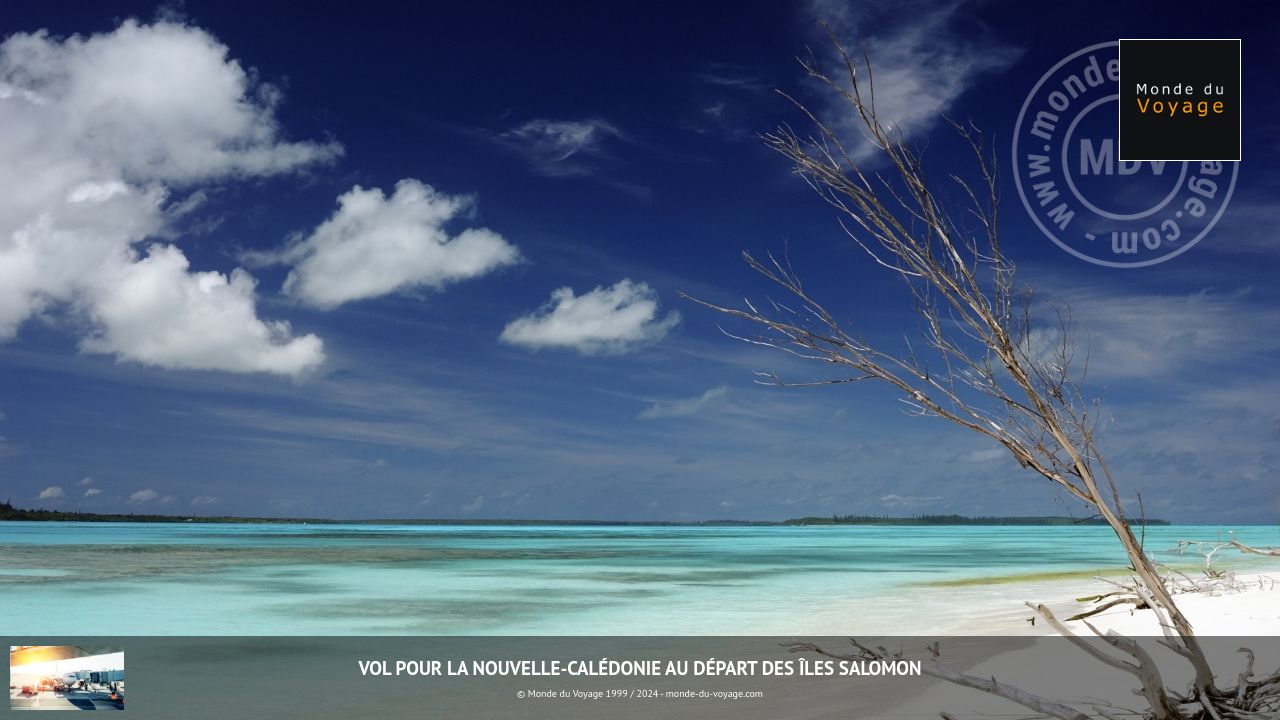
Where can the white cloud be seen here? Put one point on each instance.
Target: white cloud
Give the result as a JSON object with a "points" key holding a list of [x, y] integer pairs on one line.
{"points": [[562, 148], [143, 496], [98, 131], [730, 75], [604, 320], [923, 58], [375, 245], [985, 455], [205, 500], [160, 314], [908, 501], [160, 102], [1146, 335], [474, 505], [53, 492], [92, 491], [684, 406], [87, 480]]}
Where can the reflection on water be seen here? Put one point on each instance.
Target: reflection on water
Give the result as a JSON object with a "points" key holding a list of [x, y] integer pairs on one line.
{"points": [[105, 578]]}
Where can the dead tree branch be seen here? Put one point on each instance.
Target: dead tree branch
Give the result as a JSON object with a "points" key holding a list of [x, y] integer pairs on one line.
{"points": [[984, 359]]}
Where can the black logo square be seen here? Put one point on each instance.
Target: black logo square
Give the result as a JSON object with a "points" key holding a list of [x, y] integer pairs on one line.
{"points": [[1179, 100]]}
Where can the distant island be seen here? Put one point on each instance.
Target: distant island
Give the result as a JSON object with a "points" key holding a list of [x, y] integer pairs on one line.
{"points": [[9, 512], [958, 520]]}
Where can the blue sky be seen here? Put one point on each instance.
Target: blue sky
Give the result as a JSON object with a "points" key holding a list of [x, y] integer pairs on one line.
{"points": [[424, 261]]}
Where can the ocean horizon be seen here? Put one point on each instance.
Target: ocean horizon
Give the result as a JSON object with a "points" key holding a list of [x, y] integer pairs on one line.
{"points": [[398, 579]]}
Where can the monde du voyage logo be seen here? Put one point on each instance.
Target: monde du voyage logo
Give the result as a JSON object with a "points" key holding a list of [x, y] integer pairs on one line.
{"points": [[1177, 113]]}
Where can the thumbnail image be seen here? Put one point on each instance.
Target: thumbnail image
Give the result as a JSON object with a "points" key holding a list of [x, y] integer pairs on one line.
{"points": [[66, 677]]}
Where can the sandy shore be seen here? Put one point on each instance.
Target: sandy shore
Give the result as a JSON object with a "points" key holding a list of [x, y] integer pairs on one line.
{"points": [[1252, 612], [1053, 668]]}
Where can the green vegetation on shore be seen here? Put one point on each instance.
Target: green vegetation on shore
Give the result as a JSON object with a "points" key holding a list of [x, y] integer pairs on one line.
{"points": [[956, 520], [9, 512]]}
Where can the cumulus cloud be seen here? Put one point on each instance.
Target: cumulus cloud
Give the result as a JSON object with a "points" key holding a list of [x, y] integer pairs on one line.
{"points": [[605, 320], [685, 406], [908, 501], [160, 313], [87, 480], [53, 492], [474, 505], [924, 53], [92, 491], [204, 500], [143, 496], [374, 245], [99, 133]]}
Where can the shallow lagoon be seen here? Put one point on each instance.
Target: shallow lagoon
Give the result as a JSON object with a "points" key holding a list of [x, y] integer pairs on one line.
{"points": [[197, 579]]}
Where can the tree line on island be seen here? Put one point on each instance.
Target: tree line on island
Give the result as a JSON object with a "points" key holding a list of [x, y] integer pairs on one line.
{"points": [[958, 520], [9, 512]]}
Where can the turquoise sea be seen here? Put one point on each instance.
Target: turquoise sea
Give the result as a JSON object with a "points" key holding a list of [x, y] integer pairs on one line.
{"points": [[197, 579]]}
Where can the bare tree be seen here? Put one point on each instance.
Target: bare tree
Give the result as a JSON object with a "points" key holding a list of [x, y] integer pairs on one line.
{"points": [[979, 362]]}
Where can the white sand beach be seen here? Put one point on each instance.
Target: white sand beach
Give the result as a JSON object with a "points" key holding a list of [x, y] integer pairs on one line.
{"points": [[1052, 668], [1255, 611]]}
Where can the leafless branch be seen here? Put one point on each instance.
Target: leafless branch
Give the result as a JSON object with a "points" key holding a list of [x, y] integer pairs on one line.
{"points": [[988, 358]]}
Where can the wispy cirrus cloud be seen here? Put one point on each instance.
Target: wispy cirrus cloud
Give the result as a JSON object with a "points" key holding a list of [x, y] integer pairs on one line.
{"points": [[563, 148], [732, 101], [731, 76], [560, 148], [1135, 335], [684, 406], [924, 55], [1247, 228]]}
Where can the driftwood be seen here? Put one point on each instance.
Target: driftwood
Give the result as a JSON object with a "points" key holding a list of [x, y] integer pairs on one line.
{"points": [[1272, 552], [935, 668], [1218, 581]]}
